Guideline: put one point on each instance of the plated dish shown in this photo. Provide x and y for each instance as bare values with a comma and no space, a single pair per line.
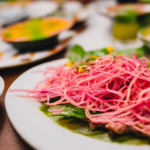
112,10
35,33
27,9
27,30
2,85
60,97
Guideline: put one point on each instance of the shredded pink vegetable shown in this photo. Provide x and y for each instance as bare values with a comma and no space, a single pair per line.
117,88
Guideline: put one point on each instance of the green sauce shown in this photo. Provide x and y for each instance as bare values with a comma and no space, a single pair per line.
82,127
125,31
125,26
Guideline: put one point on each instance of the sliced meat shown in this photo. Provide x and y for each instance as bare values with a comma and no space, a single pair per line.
95,126
141,130
118,128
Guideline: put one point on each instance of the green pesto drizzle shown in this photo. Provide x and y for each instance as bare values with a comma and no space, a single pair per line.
82,127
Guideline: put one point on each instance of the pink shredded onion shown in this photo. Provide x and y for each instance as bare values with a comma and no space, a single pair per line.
118,88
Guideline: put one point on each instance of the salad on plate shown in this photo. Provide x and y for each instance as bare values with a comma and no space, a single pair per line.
98,94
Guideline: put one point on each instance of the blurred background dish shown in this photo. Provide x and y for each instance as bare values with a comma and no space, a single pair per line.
77,12
102,7
14,11
2,85
71,9
11,57
125,25
111,9
144,35
128,17
17,52
99,30
35,34
41,9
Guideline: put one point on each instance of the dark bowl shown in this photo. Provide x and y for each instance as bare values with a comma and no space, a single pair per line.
23,44
32,46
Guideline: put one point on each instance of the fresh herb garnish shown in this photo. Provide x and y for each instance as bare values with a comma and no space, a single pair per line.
141,51
77,53
67,110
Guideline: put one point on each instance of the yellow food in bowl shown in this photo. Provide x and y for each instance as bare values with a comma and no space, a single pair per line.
35,29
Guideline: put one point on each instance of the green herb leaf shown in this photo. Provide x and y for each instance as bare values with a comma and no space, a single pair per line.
100,52
67,110
77,53
139,51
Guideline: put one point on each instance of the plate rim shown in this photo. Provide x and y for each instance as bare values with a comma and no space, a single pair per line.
2,85
34,61
12,122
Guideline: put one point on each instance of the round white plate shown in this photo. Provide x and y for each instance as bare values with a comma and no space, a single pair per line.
40,131
11,58
2,85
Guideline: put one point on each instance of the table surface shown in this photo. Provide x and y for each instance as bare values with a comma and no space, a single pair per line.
9,138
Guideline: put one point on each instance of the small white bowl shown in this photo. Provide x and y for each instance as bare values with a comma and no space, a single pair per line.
2,85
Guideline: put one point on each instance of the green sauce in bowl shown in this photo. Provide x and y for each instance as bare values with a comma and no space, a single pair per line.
125,31
126,25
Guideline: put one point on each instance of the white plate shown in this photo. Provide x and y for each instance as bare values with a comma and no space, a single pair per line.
9,57
10,14
2,85
40,131
40,9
